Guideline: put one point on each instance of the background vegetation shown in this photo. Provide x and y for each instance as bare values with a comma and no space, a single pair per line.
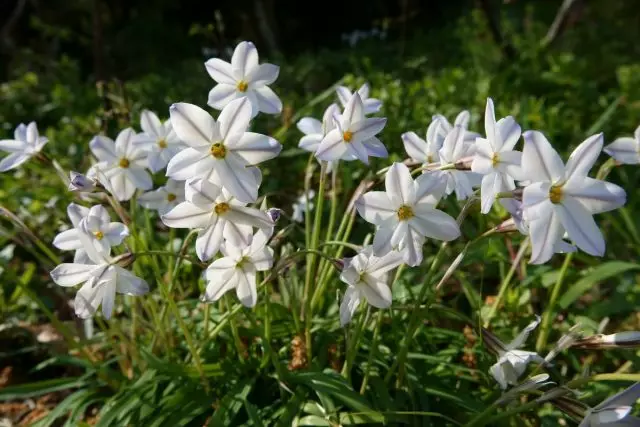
79,68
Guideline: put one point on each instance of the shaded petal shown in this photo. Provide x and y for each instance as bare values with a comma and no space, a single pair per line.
492,184
12,161
246,288
221,95
493,135
220,71
349,305
310,142
68,274
535,198
123,187
411,247
624,150
183,166
255,148
429,186
67,240
249,216
483,159
187,215
344,95
511,164
140,178
124,143
130,284
88,299
268,101
221,284
375,207
263,74
462,119
453,145
510,132
580,226
202,192
583,157
376,292
595,195
193,125
209,240
381,265
262,259
544,232
309,126
103,148
375,148
382,238
415,147
356,149
371,105
12,146
430,222
151,124
523,335
367,128
115,233
234,118
399,185
540,162
237,179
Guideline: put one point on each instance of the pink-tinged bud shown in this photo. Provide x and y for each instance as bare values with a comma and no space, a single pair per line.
338,264
274,214
124,260
464,163
81,183
506,226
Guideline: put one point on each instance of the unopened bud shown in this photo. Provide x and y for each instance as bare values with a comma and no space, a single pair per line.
338,264
630,339
124,260
274,214
80,182
464,164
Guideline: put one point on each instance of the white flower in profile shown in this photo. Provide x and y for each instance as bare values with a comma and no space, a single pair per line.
445,127
218,215
237,269
164,198
101,276
511,362
122,164
370,105
625,149
220,151
244,78
158,140
99,230
315,130
425,151
614,411
405,214
25,144
495,158
563,198
367,277
456,148
354,136
300,206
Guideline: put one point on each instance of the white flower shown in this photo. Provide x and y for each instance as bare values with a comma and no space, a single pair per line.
122,164
220,151
218,214
164,198
158,140
300,206
25,144
100,232
405,214
244,78
371,105
237,269
563,198
81,183
314,131
454,149
102,278
425,151
354,136
367,277
444,128
614,411
625,149
512,362
495,158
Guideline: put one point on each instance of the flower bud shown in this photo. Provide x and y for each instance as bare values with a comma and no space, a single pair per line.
630,339
80,182
124,260
274,214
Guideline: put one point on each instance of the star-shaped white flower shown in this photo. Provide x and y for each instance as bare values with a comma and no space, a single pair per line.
511,362
315,130
101,232
102,278
218,215
425,151
244,78
405,214
625,149
370,105
354,136
563,198
367,277
237,269
122,164
158,140
220,151
25,144
614,411
164,198
495,158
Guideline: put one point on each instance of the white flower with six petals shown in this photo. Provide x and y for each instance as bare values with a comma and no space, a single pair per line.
370,105
164,198
25,144
158,140
315,130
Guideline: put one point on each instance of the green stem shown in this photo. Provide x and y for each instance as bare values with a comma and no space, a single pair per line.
372,351
547,318
234,329
507,279
353,347
483,418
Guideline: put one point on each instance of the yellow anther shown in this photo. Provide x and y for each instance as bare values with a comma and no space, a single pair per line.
218,150
99,235
495,159
221,208
242,86
405,213
124,162
347,136
162,143
555,193
171,197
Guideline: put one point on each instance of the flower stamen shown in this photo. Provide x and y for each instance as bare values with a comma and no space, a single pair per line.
347,136
555,194
162,143
218,150
221,208
495,159
242,86
405,213
171,197
124,163
99,235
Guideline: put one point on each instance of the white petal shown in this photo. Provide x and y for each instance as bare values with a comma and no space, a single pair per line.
246,288
151,124
115,233
332,146
544,232
221,284
103,148
371,105
350,302
309,126
535,199
187,215
202,193
430,186
244,59
462,119
493,136
67,240
124,143
184,164
492,184
510,132
20,133
12,146
367,128
123,187
381,265
497,373
411,247
263,74
249,216
523,335
139,177
583,157
375,207
220,71
353,111
71,274
453,145
262,259
344,95
511,164
193,125
268,101
209,240
430,222
611,416
596,195
130,284
88,300
399,185
415,147
624,150
221,95
234,118
540,162
627,397
255,148
108,297
237,179
12,161
483,159
580,226
355,149
310,142
382,238
375,148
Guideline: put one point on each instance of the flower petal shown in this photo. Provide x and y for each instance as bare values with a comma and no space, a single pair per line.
256,148
246,288
462,119
183,166
344,95
220,71
349,305
415,147
202,192
115,233
88,299
624,150
151,124
430,222
492,184
375,207
332,146
268,101
540,162
399,185
595,195
453,146
244,59
376,292
221,95
263,74
249,216
382,238
310,142
353,111
493,135
510,132
103,148
193,125
544,232
583,157
12,161
355,149
187,215
375,148
309,126
234,118
237,179
12,145
367,128
371,105
68,274
130,284
221,283
580,226
209,240
523,335
140,178
67,240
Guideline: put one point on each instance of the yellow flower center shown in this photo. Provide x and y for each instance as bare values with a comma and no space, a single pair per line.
405,213
218,150
495,159
124,163
242,86
555,193
347,136
221,208
162,143
171,197
99,235
429,158
242,262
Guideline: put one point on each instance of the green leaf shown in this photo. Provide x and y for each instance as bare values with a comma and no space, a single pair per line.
252,413
599,273
313,420
41,387
231,404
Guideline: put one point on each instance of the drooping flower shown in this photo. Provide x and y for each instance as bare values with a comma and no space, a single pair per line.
164,198
563,198
354,136
158,140
370,105
81,183
244,78
122,164
220,151
300,206
495,158
102,278
218,215
511,362
314,131
614,411
625,149
99,230
405,214
367,277
25,144
237,269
